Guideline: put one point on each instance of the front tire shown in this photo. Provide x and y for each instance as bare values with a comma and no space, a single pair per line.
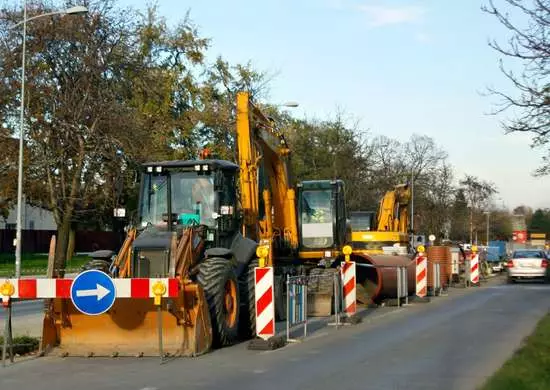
221,289
247,322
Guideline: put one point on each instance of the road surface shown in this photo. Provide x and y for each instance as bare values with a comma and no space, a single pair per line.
453,342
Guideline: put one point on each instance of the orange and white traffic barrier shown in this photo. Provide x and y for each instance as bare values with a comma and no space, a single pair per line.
349,283
61,288
474,268
421,273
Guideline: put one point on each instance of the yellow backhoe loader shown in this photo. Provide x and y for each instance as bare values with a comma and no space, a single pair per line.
201,221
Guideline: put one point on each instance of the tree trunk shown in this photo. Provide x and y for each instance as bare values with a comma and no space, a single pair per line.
63,234
471,226
70,247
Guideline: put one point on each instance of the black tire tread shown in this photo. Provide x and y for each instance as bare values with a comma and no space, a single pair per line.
247,322
213,275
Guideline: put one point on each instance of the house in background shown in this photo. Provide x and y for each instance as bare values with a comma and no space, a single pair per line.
34,218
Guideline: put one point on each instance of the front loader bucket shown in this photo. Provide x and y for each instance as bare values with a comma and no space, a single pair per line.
131,327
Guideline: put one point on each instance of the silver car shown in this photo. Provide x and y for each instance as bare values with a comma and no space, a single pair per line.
527,264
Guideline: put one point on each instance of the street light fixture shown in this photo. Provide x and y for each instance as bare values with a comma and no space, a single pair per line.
290,104
77,10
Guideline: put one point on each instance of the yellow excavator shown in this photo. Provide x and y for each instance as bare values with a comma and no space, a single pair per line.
205,222
371,231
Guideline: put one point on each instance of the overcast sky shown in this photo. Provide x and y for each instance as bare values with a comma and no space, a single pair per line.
398,66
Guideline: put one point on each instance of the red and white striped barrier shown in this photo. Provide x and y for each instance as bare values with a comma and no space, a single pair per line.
265,307
474,268
61,288
349,283
421,275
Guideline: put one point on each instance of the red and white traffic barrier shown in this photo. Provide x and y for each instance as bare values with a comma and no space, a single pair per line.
61,288
265,307
421,275
474,268
349,283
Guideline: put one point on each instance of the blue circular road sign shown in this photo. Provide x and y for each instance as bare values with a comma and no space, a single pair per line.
93,292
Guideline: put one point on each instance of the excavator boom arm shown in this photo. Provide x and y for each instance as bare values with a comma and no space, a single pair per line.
264,174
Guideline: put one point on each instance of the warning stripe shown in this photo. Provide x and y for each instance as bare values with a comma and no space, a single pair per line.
474,269
264,297
349,287
61,288
421,276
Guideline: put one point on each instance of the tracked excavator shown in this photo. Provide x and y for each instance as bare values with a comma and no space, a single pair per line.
371,231
202,222
380,240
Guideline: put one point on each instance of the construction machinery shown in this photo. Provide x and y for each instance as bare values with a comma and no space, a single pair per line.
205,222
372,232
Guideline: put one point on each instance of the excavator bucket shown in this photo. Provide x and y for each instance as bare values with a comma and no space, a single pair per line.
132,327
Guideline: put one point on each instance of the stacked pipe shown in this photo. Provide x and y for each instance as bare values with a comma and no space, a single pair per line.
377,276
439,255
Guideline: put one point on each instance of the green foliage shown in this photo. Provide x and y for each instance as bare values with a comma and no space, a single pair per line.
528,368
22,345
330,150
540,222
459,217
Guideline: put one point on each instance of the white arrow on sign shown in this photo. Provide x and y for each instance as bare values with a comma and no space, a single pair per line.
100,292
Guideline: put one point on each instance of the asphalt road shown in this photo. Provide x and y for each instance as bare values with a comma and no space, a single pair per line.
24,308
453,342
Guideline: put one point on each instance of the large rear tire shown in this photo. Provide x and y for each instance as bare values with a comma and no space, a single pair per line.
221,289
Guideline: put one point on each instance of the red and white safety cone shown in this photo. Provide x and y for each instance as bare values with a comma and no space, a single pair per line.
474,267
348,279
265,305
349,288
265,308
421,263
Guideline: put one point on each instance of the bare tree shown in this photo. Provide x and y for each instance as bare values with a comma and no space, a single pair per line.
477,193
529,44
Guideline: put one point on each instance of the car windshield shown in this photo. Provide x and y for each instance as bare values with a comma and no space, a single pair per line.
528,254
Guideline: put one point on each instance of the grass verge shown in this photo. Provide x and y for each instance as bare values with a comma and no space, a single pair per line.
22,345
34,263
529,367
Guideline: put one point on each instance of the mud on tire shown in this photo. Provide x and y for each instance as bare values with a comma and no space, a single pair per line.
221,289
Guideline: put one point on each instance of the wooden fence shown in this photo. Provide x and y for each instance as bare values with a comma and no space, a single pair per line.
38,241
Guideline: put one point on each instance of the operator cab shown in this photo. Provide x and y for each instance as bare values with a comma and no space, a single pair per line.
362,221
178,194
322,220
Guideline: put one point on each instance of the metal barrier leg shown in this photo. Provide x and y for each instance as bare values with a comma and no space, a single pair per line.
398,272
288,307
405,284
159,321
8,342
304,308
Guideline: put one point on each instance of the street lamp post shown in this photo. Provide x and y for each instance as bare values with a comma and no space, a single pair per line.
69,11
487,212
412,200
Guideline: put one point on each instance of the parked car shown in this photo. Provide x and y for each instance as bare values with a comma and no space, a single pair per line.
527,264
494,262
